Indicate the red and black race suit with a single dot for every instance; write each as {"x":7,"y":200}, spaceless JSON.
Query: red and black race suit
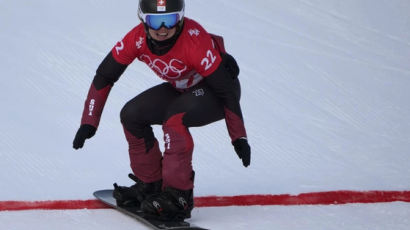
{"x":197,"y":64}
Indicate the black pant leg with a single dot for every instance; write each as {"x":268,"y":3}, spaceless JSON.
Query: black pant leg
{"x":146,"y":109}
{"x":199,"y":105}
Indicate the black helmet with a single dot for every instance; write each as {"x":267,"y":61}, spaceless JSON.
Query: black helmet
{"x":161,"y":6}
{"x":157,"y":13}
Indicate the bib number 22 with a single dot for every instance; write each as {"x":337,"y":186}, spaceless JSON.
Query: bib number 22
{"x":209,"y":60}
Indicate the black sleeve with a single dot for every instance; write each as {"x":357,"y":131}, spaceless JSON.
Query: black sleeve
{"x":225,"y":83}
{"x":108,"y":72}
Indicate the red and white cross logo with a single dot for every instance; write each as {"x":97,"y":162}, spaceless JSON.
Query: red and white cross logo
{"x":161,"y":5}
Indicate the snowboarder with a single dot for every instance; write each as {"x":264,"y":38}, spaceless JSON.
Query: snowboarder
{"x":201,"y":87}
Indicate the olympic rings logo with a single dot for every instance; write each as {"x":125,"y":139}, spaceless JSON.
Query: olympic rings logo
{"x":172,"y":70}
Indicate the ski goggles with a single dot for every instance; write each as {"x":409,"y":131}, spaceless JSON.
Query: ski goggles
{"x":156,"y":21}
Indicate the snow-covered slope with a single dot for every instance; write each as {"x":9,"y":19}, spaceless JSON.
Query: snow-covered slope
{"x":325,"y":96}
{"x":339,"y":217}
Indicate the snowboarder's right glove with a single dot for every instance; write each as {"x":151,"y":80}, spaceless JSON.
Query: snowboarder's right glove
{"x":84,"y":132}
{"x":243,"y":150}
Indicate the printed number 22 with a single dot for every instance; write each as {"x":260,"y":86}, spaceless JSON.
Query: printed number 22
{"x":208,"y":60}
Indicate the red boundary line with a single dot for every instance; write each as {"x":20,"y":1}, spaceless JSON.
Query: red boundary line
{"x":317,"y":198}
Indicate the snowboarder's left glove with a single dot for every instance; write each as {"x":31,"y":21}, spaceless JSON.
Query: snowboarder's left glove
{"x":243,"y":150}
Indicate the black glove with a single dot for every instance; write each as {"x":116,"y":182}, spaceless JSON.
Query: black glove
{"x":84,"y":132}
{"x":243,"y":150}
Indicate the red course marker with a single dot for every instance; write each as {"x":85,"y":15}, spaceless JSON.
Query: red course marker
{"x":317,"y":198}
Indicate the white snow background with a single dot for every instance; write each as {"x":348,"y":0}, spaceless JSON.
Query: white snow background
{"x":325,"y":97}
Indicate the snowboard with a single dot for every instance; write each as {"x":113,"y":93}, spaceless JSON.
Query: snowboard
{"x":106,"y":197}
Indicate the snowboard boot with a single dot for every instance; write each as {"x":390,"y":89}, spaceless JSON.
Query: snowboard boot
{"x":134,"y":195}
{"x":170,"y":205}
